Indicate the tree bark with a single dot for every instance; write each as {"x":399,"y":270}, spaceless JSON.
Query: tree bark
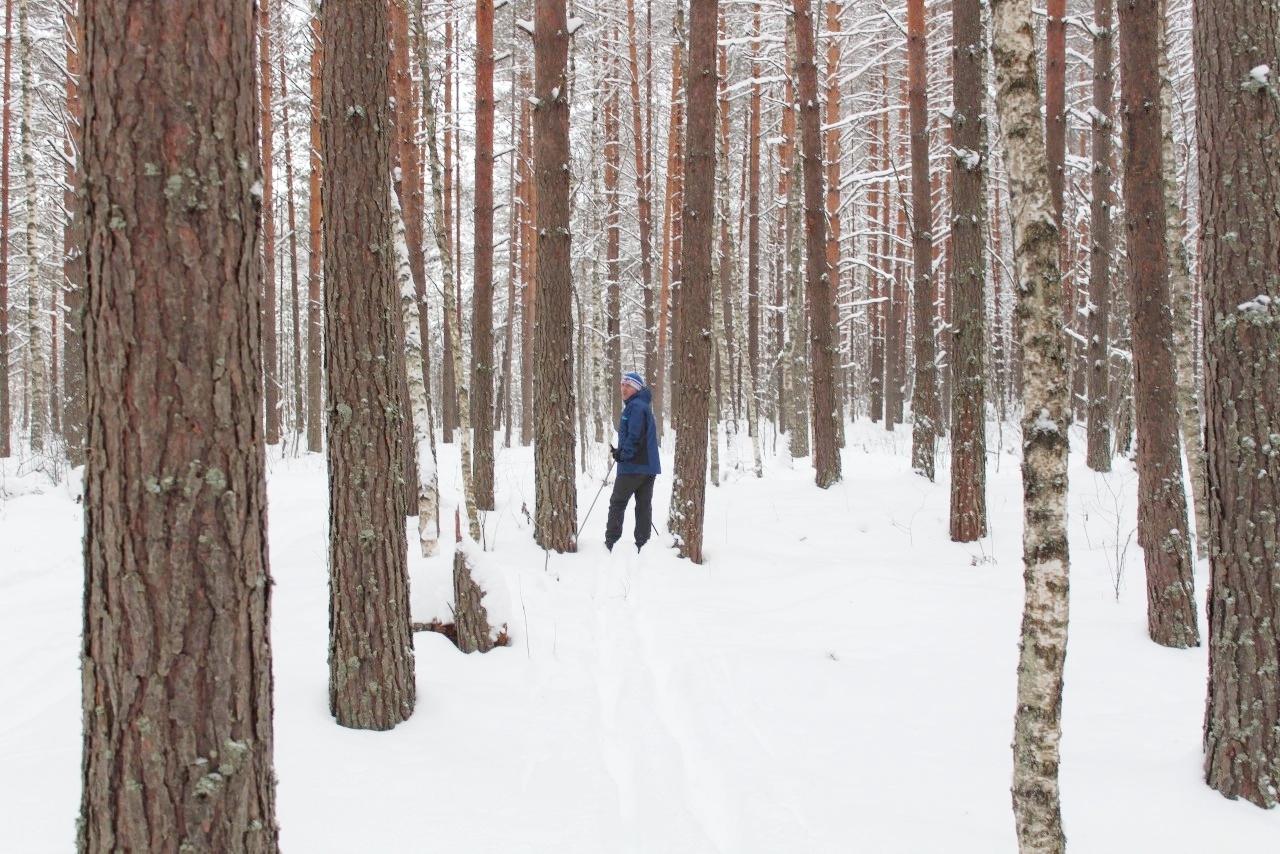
{"x":924,"y":397}
{"x":1101,"y":245}
{"x":427,"y":506}
{"x":652,"y":365}
{"x":1162,"y":507}
{"x":315,"y":254}
{"x":371,"y":682}
{"x":176,"y":654}
{"x":37,"y":373}
{"x":671,"y":246}
{"x":292,"y":214}
{"x":448,"y":379}
{"x":694,"y":348}
{"x":1046,"y":410}
{"x":613,"y":234}
{"x":753,"y":214}
{"x":1238,"y":110}
{"x":1181,"y":291}
{"x":818,"y":271}
{"x":482,"y":265}
{"x":968,"y":307}
{"x":5,"y":424}
{"x":555,"y":526}
{"x":270,"y":342}
{"x":73,"y":238}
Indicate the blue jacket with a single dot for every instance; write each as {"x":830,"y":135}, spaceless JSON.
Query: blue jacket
{"x":638,"y":436}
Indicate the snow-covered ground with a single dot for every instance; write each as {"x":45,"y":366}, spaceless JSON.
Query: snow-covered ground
{"x":837,"y":677}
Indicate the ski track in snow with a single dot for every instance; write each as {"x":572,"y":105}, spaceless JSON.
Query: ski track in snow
{"x":836,"y":677}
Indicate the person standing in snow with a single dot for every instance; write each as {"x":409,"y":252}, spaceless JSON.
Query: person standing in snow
{"x":637,"y":457}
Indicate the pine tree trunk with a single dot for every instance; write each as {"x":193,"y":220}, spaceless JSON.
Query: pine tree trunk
{"x":482,"y":266}
{"x":371,"y":681}
{"x":693,"y":348}
{"x":553,"y":402}
{"x":831,"y":136}
{"x":1162,"y":510}
{"x":176,"y":656}
{"x":924,"y":398}
{"x":315,"y":320}
{"x":529,"y":259}
{"x":73,"y":237}
{"x":968,"y":307}
{"x":670,"y":273}
{"x":37,"y":376}
{"x":613,"y":239}
{"x":820,"y":291}
{"x":652,"y":365}
{"x":291,"y":207}
{"x":1046,"y":411}
{"x":270,"y":343}
{"x":1101,"y":245}
{"x":1238,"y":109}
{"x":876,"y":201}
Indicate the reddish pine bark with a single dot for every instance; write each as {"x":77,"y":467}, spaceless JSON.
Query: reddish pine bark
{"x":315,"y":323}
{"x":371,"y":683}
{"x":643,"y":157}
{"x":556,"y":490}
{"x":270,"y":342}
{"x":482,"y":293}
{"x":819,"y":280}
{"x":176,"y":656}
{"x":968,"y":215}
{"x":924,"y":398}
{"x":1239,"y":162}
{"x":73,"y":414}
{"x":1101,"y":246}
{"x":693,"y":350}
{"x":1162,"y":506}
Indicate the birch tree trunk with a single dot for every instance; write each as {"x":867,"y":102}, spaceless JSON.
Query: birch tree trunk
{"x":1238,"y":107}
{"x":428,"y":497}
{"x":1181,"y":292}
{"x":1046,"y":410}
{"x":176,"y":655}
{"x":5,"y":423}
{"x":453,"y":349}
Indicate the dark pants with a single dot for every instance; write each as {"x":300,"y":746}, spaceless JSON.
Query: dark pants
{"x":625,"y":486}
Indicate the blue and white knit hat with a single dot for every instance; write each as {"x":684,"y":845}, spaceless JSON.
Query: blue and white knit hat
{"x":634,"y":380}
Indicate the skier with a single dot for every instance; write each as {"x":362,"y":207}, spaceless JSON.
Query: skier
{"x":638,"y":465}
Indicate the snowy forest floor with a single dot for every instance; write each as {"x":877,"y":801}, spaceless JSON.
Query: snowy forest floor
{"x":837,"y":677}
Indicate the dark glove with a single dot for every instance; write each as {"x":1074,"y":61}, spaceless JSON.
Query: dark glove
{"x":615,"y":453}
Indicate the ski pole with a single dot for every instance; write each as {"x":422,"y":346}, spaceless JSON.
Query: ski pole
{"x":603,"y":484}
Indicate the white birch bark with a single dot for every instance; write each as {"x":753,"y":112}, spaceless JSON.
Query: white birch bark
{"x":424,"y":447}
{"x":1046,"y":410}
{"x":446,"y":264}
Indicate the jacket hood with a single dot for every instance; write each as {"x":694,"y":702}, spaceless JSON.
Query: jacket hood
{"x":643,"y":396}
